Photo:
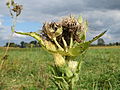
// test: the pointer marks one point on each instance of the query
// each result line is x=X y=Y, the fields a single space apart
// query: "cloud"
x=0 y=23
x=103 y=4
x=101 y=14
x=107 y=36
x=18 y=35
x=6 y=35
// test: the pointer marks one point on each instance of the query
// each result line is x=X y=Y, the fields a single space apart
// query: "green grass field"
x=28 y=69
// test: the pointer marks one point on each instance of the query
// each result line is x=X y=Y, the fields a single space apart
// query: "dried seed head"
x=14 y=7
x=17 y=9
x=51 y=30
x=70 y=27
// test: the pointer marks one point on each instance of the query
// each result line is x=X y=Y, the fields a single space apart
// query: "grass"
x=28 y=69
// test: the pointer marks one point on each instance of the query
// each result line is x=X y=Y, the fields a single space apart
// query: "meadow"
x=29 y=69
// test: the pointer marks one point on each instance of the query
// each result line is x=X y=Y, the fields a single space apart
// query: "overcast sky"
x=101 y=15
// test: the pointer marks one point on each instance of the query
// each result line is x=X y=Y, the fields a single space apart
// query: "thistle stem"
x=70 y=86
x=65 y=44
x=58 y=44
x=71 y=41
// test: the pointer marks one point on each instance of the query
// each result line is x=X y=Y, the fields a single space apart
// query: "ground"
x=28 y=69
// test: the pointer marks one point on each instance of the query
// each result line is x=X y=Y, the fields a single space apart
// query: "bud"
x=73 y=65
x=59 y=60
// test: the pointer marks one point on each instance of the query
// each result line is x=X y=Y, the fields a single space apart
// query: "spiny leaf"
x=79 y=66
x=80 y=19
x=58 y=32
x=80 y=48
x=44 y=43
x=65 y=44
x=56 y=83
x=49 y=46
x=95 y=38
x=82 y=33
x=12 y=29
x=34 y=35
x=68 y=72
x=57 y=44
x=8 y=4
x=71 y=41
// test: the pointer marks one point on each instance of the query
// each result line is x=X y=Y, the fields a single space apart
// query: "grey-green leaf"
x=80 y=48
x=95 y=38
x=80 y=19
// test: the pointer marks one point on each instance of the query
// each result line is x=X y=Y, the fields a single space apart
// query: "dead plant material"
x=69 y=26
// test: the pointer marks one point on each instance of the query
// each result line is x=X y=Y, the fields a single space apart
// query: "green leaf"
x=8 y=4
x=83 y=37
x=82 y=33
x=62 y=52
x=34 y=35
x=12 y=29
x=79 y=66
x=44 y=43
x=56 y=83
x=95 y=38
x=75 y=78
x=50 y=33
x=71 y=41
x=60 y=82
x=49 y=46
x=80 y=19
x=80 y=48
x=58 y=32
x=65 y=44
x=68 y=72
x=57 y=44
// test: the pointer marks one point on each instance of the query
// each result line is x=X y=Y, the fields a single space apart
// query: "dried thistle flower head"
x=17 y=9
x=68 y=27
x=14 y=7
x=51 y=30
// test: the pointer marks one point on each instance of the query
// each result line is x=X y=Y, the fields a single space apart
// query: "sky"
x=101 y=15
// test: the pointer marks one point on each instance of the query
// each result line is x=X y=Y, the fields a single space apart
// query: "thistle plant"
x=15 y=10
x=65 y=40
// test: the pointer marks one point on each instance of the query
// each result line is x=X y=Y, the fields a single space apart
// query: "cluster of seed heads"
x=14 y=7
x=70 y=27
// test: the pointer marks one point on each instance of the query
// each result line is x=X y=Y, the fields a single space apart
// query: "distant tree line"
x=101 y=42
x=114 y=44
x=23 y=44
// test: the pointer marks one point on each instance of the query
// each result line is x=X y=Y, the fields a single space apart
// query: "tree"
x=110 y=44
x=6 y=44
x=117 y=43
x=101 y=42
x=33 y=43
x=22 y=44
x=11 y=44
